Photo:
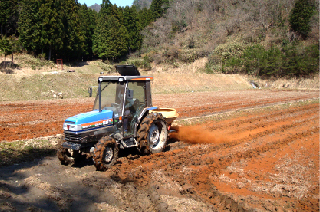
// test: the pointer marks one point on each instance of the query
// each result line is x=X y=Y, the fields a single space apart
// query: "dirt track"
x=266 y=159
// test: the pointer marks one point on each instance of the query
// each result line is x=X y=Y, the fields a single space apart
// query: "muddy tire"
x=62 y=153
x=105 y=153
x=152 y=134
x=65 y=157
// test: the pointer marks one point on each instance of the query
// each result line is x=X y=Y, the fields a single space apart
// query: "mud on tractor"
x=122 y=117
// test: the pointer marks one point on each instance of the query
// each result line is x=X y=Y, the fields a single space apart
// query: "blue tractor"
x=122 y=117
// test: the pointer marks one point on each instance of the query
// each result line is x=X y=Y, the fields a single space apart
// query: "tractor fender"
x=143 y=114
x=169 y=114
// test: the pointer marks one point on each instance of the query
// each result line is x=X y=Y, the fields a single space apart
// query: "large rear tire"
x=105 y=153
x=152 y=134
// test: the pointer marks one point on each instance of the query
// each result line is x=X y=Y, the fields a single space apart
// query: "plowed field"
x=243 y=157
x=267 y=161
x=32 y=119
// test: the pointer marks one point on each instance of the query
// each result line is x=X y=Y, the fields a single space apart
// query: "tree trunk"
x=49 y=56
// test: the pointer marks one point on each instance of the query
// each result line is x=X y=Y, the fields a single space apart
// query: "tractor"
x=122 y=118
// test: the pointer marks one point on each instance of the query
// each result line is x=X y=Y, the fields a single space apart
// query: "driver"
x=129 y=106
x=129 y=110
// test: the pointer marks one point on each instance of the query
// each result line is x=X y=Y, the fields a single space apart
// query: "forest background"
x=275 y=38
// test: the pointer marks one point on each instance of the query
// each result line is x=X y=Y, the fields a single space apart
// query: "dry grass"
x=311 y=83
x=28 y=84
x=190 y=78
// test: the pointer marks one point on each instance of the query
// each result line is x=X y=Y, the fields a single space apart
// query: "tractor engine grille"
x=75 y=138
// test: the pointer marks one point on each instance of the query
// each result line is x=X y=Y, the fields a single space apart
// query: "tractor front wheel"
x=105 y=153
x=65 y=156
x=62 y=155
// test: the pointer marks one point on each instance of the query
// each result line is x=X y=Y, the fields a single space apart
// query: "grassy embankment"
x=44 y=80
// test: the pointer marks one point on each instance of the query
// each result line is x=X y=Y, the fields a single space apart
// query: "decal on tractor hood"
x=97 y=124
x=92 y=119
x=78 y=127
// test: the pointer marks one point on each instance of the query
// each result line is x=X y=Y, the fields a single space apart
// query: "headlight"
x=71 y=127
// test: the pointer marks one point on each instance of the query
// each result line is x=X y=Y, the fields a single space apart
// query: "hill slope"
x=224 y=30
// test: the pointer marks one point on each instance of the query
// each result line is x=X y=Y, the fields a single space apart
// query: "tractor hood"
x=89 y=120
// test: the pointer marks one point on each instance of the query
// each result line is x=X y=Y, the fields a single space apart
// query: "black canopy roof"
x=127 y=70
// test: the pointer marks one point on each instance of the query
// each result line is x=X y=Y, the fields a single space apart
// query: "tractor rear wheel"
x=152 y=134
x=105 y=153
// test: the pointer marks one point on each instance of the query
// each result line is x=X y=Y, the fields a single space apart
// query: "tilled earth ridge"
x=32 y=119
x=255 y=161
x=268 y=162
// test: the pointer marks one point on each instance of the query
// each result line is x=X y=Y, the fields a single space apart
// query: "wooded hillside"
x=262 y=38
x=55 y=29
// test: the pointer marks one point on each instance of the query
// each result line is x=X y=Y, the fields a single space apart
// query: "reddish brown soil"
x=267 y=161
x=198 y=104
x=32 y=119
x=256 y=160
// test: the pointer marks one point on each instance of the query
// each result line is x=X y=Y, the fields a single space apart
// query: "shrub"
x=223 y=58
x=33 y=62
x=191 y=55
x=147 y=61
x=256 y=60
x=213 y=64
x=300 y=63
x=275 y=62
x=301 y=15
x=178 y=26
x=229 y=50
x=144 y=62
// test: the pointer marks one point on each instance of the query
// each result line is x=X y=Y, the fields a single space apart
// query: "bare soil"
x=255 y=158
x=31 y=119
